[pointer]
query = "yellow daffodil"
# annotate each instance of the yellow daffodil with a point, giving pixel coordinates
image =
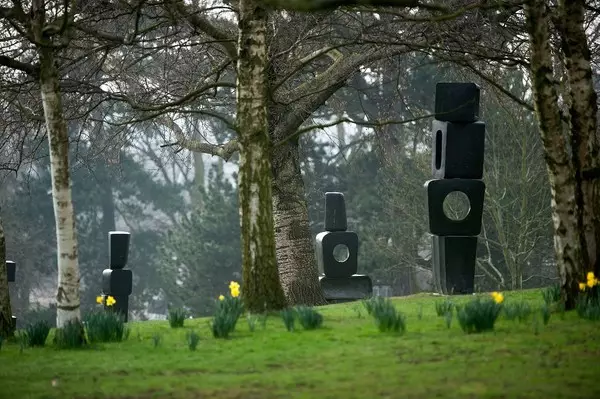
(590, 276)
(582, 286)
(592, 283)
(234, 288)
(110, 301)
(99, 300)
(498, 297)
(221, 297)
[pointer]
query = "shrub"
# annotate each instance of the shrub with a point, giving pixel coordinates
(251, 319)
(546, 313)
(106, 326)
(309, 318)
(373, 303)
(479, 315)
(192, 340)
(551, 294)
(588, 302)
(448, 318)
(442, 308)
(223, 323)
(289, 318)
(176, 317)
(35, 334)
(517, 311)
(387, 318)
(70, 336)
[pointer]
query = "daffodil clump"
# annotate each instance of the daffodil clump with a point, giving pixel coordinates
(105, 300)
(229, 309)
(588, 303)
(480, 314)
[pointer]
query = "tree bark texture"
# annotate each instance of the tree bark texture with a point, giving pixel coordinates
(583, 111)
(6, 323)
(261, 288)
(564, 168)
(67, 295)
(295, 250)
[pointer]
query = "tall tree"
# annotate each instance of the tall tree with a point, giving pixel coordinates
(262, 288)
(570, 140)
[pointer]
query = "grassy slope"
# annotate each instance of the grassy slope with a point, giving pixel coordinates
(348, 358)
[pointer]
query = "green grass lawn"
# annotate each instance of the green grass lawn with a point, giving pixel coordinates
(347, 358)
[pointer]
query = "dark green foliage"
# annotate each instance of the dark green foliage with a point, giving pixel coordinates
(516, 310)
(387, 318)
(478, 315)
(176, 317)
(192, 340)
(443, 307)
(309, 318)
(105, 326)
(588, 304)
(206, 246)
(226, 316)
(546, 313)
(448, 318)
(288, 316)
(551, 294)
(71, 336)
(35, 334)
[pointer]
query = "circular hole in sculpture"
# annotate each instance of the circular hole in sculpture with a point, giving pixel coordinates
(456, 206)
(341, 253)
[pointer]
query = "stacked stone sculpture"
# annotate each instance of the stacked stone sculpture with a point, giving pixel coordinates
(11, 271)
(457, 165)
(118, 281)
(337, 255)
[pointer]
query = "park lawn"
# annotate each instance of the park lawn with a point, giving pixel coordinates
(347, 358)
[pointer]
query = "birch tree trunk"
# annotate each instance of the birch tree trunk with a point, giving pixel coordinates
(295, 249)
(261, 285)
(573, 208)
(6, 324)
(67, 295)
(583, 110)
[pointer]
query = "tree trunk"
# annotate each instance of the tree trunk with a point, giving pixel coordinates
(261, 286)
(583, 111)
(67, 295)
(6, 323)
(295, 250)
(567, 240)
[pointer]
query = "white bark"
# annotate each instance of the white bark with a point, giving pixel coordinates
(67, 295)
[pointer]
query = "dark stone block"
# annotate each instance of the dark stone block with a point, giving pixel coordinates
(457, 102)
(11, 271)
(439, 223)
(347, 288)
(118, 249)
(328, 265)
(335, 212)
(117, 282)
(458, 150)
(14, 322)
(454, 264)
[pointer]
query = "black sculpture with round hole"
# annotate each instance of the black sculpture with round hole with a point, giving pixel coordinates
(439, 223)
(337, 255)
(326, 259)
(458, 147)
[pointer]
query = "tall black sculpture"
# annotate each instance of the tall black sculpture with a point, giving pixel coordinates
(118, 281)
(337, 255)
(11, 272)
(457, 165)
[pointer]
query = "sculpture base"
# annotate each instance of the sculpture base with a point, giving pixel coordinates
(346, 289)
(454, 264)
